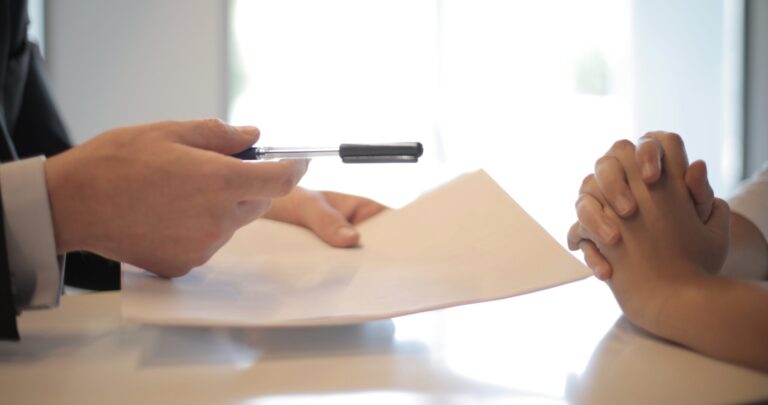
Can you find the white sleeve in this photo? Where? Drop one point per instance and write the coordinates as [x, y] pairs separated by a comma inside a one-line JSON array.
[[751, 200], [36, 271]]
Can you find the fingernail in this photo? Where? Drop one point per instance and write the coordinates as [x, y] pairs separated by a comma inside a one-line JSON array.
[[601, 273], [648, 170], [623, 205], [596, 273], [346, 233], [607, 232]]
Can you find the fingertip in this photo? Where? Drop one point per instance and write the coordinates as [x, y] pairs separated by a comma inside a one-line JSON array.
[[648, 155], [602, 272], [702, 165], [697, 169], [250, 132], [573, 237], [595, 261], [346, 237], [699, 188]]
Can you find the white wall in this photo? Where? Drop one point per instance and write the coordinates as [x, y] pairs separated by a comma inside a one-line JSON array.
[[756, 118], [685, 79], [113, 63]]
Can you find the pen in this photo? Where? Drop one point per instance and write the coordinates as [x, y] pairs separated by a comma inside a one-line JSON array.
[[406, 152]]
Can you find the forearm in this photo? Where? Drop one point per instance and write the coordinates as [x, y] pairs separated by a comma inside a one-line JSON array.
[[721, 317], [748, 251]]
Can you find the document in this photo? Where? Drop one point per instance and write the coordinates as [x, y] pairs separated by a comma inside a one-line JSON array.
[[462, 243]]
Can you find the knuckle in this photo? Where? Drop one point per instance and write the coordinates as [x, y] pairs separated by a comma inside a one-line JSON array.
[[582, 202], [623, 146], [586, 212], [215, 125], [603, 164], [587, 182], [673, 139]]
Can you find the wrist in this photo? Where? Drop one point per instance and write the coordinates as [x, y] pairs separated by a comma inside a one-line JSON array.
[[63, 206], [652, 302], [679, 303]]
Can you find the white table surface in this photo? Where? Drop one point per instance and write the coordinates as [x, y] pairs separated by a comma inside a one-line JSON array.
[[565, 345]]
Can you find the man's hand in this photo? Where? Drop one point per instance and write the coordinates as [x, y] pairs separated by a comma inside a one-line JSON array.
[[162, 196], [331, 216], [608, 187]]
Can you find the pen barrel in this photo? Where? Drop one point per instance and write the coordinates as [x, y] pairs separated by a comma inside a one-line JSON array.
[[381, 153], [294, 152], [270, 153]]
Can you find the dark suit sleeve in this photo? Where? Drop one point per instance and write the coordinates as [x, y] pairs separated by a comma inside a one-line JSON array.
[[35, 128], [8, 329], [38, 129]]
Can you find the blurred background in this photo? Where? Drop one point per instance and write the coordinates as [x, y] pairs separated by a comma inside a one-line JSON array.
[[532, 91]]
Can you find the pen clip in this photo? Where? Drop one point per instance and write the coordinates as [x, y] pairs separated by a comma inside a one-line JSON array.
[[405, 152]]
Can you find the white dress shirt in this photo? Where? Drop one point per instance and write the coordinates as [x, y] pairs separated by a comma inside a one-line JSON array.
[[36, 270], [751, 200]]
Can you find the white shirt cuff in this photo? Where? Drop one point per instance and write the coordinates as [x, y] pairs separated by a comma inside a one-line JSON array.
[[751, 200], [36, 271]]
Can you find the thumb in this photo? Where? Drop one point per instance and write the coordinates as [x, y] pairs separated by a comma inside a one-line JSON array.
[[329, 225], [215, 135], [719, 228], [720, 219], [700, 190]]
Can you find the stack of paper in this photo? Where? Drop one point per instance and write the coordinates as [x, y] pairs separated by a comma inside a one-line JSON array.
[[465, 242]]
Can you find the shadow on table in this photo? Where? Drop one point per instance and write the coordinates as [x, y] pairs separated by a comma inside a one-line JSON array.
[[173, 346], [350, 362], [631, 366], [37, 347]]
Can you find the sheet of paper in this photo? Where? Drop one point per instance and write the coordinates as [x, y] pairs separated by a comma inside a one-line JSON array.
[[464, 242]]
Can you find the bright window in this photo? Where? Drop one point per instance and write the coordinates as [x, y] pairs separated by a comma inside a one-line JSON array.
[[528, 90]]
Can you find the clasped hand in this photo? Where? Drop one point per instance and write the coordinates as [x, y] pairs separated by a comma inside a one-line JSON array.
[[648, 223]]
